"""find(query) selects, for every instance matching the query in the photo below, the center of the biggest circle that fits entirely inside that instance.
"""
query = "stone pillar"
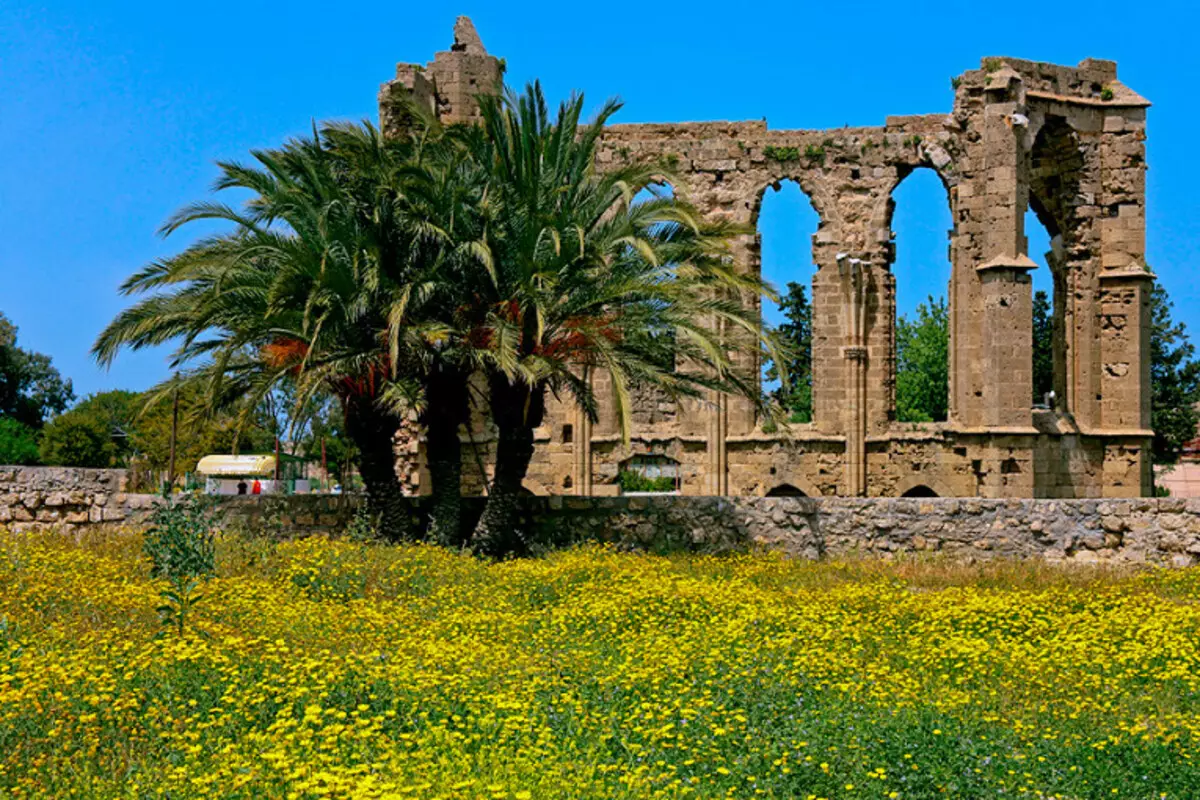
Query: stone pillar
(581, 466)
(717, 482)
(1125, 349)
(829, 367)
(1007, 343)
(854, 275)
(1006, 295)
(1125, 285)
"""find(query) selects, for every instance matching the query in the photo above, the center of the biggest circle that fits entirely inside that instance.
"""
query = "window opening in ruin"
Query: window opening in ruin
(786, 490)
(568, 433)
(787, 223)
(1038, 239)
(921, 490)
(1055, 172)
(921, 222)
(649, 474)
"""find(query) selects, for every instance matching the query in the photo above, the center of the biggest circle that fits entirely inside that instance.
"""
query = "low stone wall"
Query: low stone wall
(70, 498)
(1160, 531)
(62, 496)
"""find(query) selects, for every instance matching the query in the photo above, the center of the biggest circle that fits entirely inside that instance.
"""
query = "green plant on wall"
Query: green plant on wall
(782, 153)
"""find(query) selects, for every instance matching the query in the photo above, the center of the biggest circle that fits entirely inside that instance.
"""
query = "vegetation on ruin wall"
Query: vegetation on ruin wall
(348, 670)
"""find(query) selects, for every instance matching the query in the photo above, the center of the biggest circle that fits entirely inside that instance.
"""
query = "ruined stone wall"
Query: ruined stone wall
(1154, 531)
(1068, 142)
(61, 495)
(71, 499)
(1161, 532)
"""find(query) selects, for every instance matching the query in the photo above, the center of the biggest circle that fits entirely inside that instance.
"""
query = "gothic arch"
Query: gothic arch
(884, 208)
(1056, 168)
(815, 189)
(795, 486)
(921, 486)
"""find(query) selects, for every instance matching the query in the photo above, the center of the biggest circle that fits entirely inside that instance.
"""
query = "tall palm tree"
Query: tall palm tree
(323, 279)
(583, 266)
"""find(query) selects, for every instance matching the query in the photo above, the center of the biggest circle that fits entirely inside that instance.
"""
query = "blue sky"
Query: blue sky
(112, 113)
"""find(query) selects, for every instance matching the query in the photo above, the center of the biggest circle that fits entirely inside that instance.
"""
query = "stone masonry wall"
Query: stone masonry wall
(1160, 532)
(1155, 531)
(61, 496)
(72, 498)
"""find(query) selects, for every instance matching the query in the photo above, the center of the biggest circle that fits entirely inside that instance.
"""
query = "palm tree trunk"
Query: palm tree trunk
(517, 410)
(374, 434)
(446, 407)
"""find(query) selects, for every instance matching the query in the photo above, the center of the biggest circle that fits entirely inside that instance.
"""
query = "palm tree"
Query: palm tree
(324, 280)
(582, 268)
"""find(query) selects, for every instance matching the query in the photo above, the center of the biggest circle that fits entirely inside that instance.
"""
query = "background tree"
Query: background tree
(321, 280)
(1174, 380)
(77, 440)
(1043, 347)
(96, 432)
(31, 389)
(201, 432)
(923, 364)
(795, 336)
(18, 443)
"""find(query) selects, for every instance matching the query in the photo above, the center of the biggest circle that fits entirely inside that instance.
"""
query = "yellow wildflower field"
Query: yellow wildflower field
(320, 668)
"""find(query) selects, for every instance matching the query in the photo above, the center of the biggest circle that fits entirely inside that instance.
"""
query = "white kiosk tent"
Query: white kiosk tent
(229, 475)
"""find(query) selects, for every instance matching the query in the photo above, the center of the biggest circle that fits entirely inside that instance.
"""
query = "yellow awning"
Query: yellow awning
(258, 466)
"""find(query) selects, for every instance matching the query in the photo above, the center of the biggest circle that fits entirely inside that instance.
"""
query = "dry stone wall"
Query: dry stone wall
(62, 496)
(1158, 532)
(71, 498)
(1153, 531)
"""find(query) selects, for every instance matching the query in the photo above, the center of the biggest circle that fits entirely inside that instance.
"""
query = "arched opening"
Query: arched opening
(787, 223)
(921, 224)
(920, 490)
(1045, 303)
(786, 490)
(649, 473)
(1055, 171)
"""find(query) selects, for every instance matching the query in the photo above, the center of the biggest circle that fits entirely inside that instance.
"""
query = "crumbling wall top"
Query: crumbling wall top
(1091, 82)
(466, 38)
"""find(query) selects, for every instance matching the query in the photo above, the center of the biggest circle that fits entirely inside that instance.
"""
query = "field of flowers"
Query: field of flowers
(331, 669)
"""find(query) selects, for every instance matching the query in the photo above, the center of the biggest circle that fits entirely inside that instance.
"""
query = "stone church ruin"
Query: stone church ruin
(1068, 142)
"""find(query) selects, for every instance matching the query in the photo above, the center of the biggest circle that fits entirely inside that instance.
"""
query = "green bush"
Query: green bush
(18, 443)
(637, 482)
(179, 542)
(71, 440)
(181, 549)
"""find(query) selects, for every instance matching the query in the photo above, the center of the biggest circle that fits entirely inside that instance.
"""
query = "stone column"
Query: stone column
(581, 467)
(717, 482)
(854, 275)
(1005, 287)
(1007, 343)
(1125, 285)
